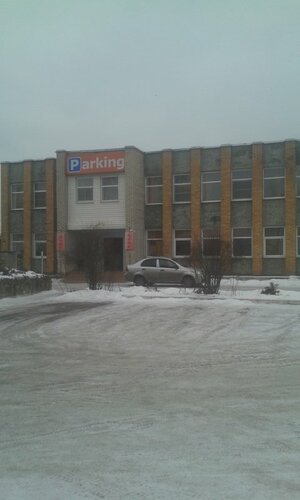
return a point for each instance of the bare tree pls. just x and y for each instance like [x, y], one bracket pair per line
[211, 260]
[89, 255]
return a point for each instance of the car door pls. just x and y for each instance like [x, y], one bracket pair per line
[150, 270]
[168, 271]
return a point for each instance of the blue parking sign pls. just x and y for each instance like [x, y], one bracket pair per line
[74, 164]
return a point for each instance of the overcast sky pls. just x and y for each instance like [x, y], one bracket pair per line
[101, 74]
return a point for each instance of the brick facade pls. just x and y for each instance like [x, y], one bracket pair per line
[195, 197]
[167, 225]
[189, 216]
[26, 221]
[257, 210]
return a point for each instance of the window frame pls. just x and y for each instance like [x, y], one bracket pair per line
[151, 239]
[147, 259]
[104, 187]
[298, 241]
[19, 252]
[275, 237]
[298, 181]
[216, 238]
[37, 241]
[149, 187]
[209, 182]
[176, 184]
[165, 263]
[81, 188]
[233, 238]
[14, 195]
[178, 239]
[272, 178]
[16, 241]
[241, 180]
[35, 191]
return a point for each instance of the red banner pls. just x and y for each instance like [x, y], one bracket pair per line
[60, 242]
[129, 240]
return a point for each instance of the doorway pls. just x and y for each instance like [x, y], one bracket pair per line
[113, 254]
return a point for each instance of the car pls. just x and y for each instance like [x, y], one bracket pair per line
[160, 270]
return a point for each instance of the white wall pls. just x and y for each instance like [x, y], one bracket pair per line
[106, 215]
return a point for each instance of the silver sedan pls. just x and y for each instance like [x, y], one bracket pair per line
[160, 270]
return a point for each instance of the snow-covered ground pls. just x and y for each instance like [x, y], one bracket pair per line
[151, 394]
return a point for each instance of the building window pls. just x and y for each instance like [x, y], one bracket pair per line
[241, 242]
[16, 242]
[39, 195]
[298, 241]
[210, 186]
[211, 243]
[154, 242]
[182, 188]
[40, 245]
[84, 189]
[274, 241]
[110, 188]
[153, 187]
[298, 180]
[274, 182]
[182, 243]
[17, 245]
[241, 185]
[17, 194]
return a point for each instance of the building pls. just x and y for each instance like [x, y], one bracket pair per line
[163, 203]
[28, 213]
[247, 196]
[103, 191]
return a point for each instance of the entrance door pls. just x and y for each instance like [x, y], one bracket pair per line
[113, 254]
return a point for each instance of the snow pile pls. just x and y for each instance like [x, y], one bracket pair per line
[17, 273]
[231, 290]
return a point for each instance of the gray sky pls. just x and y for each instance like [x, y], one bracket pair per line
[83, 74]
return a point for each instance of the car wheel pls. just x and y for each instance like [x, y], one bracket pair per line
[188, 282]
[139, 280]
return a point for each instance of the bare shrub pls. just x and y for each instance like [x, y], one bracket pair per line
[210, 264]
[89, 252]
[272, 289]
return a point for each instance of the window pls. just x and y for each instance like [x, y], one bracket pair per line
[211, 186]
[274, 182]
[211, 243]
[17, 245]
[182, 188]
[39, 195]
[167, 264]
[154, 242]
[274, 241]
[241, 185]
[298, 241]
[40, 245]
[148, 263]
[17, 193]
[241, 242]
[110, 188]
[85, 189]
[298, 180]
[182, 243]
[153, 188]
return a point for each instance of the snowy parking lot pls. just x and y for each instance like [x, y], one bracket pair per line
[133, 393]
